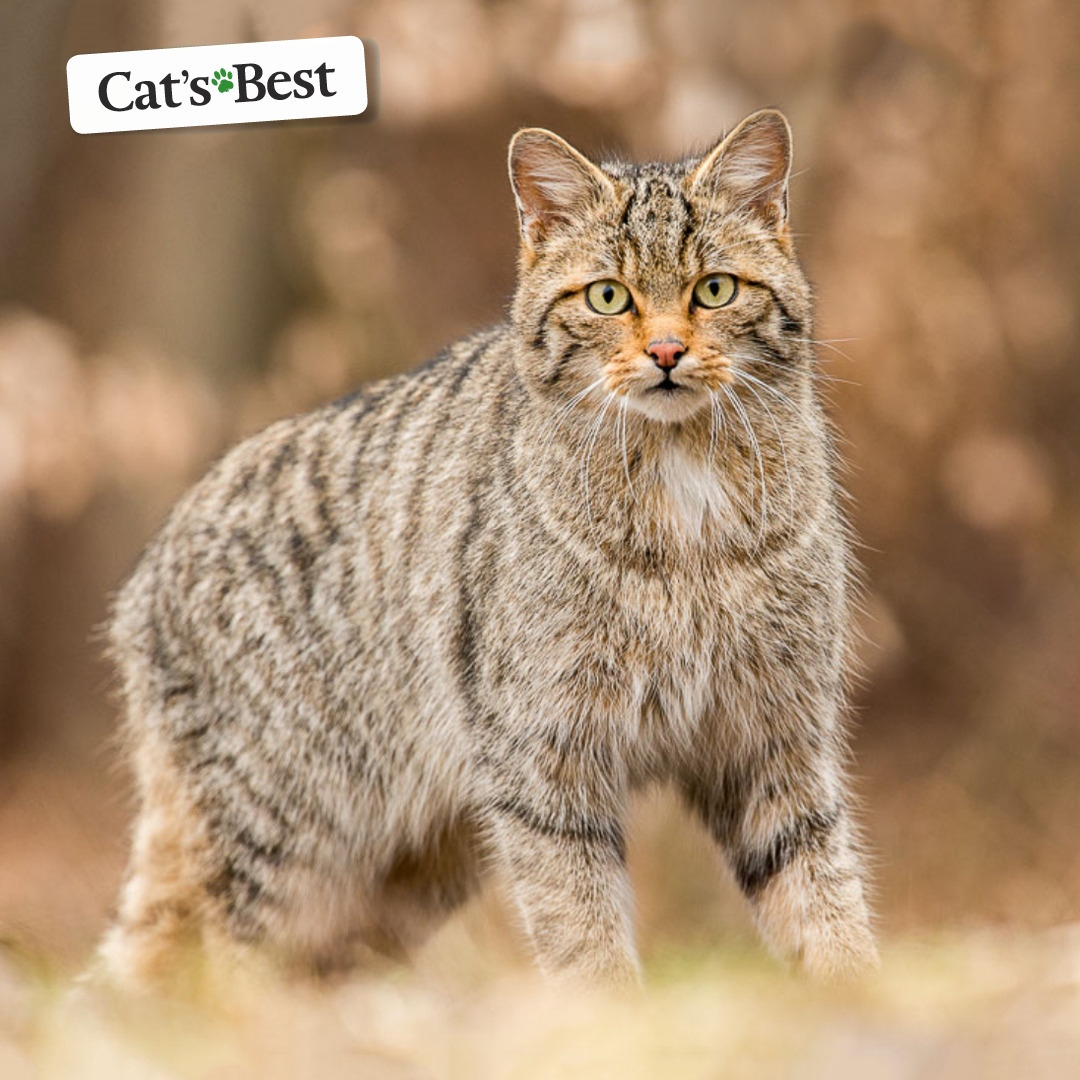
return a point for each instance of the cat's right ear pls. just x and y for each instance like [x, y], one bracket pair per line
[552, 183]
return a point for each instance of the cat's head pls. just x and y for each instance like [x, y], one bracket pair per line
[658, 283]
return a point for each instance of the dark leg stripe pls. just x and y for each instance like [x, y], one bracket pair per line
[594, 833]
[755, 869]
[718, 798]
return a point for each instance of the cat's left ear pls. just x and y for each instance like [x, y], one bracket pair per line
[753, 163]
[552, 183]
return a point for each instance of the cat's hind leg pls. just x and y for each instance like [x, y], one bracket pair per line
[158, 931]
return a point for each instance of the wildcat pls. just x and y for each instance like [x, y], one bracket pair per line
[451, 622]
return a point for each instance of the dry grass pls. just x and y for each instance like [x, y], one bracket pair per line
[993, 1003]
[986, 1005]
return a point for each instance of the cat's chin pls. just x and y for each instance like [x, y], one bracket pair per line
[667, 406]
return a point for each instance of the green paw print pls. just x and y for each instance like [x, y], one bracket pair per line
[223, 80]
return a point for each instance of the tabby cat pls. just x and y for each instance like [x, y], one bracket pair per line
[449, 623]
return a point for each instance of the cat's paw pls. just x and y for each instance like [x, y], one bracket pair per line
[837, 953]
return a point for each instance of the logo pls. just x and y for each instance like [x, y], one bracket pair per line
[217, 84]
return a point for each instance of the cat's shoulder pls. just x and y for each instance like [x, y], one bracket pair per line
[452, 365]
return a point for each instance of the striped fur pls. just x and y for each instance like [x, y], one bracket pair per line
[451, 622]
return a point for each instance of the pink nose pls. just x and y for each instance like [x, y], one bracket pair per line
[666, 353]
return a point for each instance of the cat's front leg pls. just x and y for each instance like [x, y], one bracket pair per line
[564, 858]
[782, 816]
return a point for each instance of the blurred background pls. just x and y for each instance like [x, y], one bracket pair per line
[163, 294]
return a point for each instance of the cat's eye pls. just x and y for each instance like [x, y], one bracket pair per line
[608, 297]
[715, 290]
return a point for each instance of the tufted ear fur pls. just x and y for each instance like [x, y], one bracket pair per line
[552, 182]
[753, 163]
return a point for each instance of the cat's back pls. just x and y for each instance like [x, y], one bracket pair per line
[296, 531]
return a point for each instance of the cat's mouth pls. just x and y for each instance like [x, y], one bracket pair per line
[666, 385]
[669, 395]
[668, 401]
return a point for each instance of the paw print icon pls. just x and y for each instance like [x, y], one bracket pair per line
[223, 80]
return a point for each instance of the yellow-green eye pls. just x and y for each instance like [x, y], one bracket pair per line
[608, 297]
[715, 290]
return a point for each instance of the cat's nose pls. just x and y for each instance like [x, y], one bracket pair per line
[667, 353]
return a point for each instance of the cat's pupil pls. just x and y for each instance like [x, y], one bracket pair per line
[609, 294]
[714, 286]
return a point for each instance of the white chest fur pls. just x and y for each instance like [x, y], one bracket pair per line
[694, 493]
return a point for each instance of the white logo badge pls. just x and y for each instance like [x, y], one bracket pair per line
[217, 84]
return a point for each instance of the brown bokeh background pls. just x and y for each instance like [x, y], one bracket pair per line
[163, 294]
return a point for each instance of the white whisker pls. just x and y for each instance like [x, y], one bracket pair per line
[780, 438]
[621, 431]
[830, 343]
[814, 374]
[712, 427]
[756, 449]
[594, 433]
[551, 429]
[780, 396]
[717, 423]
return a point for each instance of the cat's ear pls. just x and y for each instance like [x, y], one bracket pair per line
[753, 163]
[552, 183]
